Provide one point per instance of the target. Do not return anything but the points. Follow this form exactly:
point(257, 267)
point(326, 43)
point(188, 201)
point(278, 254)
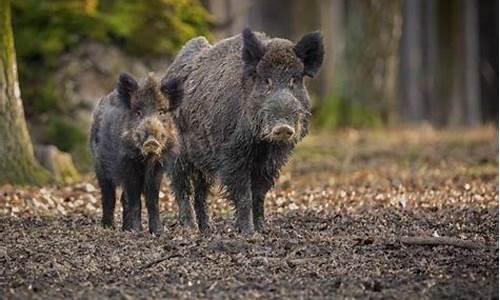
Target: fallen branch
point(418, 241)
point(440, 241)
point(159, 260)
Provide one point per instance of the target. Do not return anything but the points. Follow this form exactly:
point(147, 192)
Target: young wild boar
point(244, 109)
point(132, 139)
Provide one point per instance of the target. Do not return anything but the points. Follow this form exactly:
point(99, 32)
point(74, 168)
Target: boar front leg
point(260, 187)
point(241, 193)
point(108, 199)
point(152, 186)
point(132, 215)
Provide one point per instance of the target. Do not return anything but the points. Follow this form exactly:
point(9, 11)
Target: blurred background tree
point(388, 62)
point(18, 162)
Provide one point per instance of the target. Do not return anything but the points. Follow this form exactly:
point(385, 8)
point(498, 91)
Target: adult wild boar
point(244, 109)
point(132, 139)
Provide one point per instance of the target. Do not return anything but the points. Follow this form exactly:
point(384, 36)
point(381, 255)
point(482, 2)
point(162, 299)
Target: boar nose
point(283, 132)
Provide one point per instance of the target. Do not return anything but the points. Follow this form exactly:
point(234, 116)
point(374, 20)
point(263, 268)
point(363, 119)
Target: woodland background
point(388, 62)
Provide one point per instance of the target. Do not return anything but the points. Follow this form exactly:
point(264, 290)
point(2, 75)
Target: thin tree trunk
point(456, 113)
point(392, 63)
point(412, 61)
point(332, 23)
point(471, 72)
point(17, 162)
point(431, 62)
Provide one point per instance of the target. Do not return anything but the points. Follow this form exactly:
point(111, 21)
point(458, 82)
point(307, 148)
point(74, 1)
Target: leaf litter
point(405, 214)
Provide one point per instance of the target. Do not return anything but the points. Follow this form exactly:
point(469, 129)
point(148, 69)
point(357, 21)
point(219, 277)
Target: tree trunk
point(17, 162)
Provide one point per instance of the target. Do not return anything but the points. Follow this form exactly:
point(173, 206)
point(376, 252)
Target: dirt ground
point(345, 221)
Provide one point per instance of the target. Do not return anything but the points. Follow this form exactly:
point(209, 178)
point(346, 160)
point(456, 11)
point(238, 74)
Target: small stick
point(159, 260)
point(295, 261)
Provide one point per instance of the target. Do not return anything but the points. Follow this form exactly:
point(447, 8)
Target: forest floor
point(403, 214)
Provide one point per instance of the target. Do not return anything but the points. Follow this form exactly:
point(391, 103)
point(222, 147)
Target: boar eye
point(138, 113)
point(161, 112)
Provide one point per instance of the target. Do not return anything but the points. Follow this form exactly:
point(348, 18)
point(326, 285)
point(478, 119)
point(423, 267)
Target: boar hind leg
point(201, 188)
point(181, 187)
point(108, 199)
point(152, 189)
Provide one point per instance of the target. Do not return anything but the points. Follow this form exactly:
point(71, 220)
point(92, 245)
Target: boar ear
point(310, 50)
point(126, 86)
point(173, 90)
point(253, 51)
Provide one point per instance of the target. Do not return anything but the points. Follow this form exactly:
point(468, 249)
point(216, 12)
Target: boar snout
point(151, 146)
point(151, 136)
point(282, 133)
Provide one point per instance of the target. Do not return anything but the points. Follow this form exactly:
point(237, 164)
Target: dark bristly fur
point(245, 107)
point(125, 125)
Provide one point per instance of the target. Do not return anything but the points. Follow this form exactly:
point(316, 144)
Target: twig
point(295, 261)
point(159, 260)
point(305, 260)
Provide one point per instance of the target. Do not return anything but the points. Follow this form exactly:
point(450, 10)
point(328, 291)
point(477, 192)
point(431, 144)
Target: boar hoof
point(155, 227)
point(107, 224)
point(157, 231)
point(245, 229)
point(205, 228)
point(132, 227)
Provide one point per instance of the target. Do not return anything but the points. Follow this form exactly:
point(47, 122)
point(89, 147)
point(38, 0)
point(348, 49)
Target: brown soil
point(341, 222)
